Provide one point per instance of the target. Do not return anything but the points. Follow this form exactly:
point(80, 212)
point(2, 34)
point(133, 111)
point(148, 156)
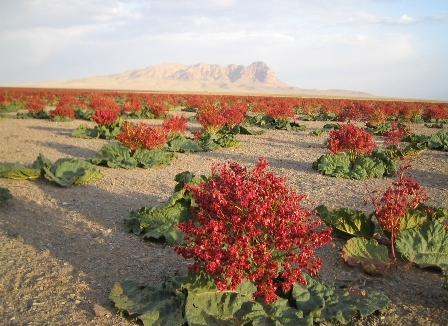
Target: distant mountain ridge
point(202, 77)
point(180, 77)
point(257, 72)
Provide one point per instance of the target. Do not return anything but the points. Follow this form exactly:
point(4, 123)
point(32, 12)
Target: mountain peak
point(202, 76)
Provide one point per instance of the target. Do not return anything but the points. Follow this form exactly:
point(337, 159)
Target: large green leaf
point(336, 165)
point(243, 130)
point(346, 222)
point(182, 144)
point(148, 158)
point(364, 167)
point(439, 141)
point(425, 246)
point(162, 305)
point(158, 222)
point(371, 256)
point(19, 171)
point(206, 305)
point(324, 303)
point(84, 131)
point(115, 155)
point(66, 172)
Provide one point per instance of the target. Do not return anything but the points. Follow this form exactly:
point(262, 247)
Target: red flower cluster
point(234, 114)
point(133, 104)
point(390, 209)
point(394, 136)
point(63, 110)
point(211, 118)
point(250, 225)
point(36, 104)
point(158, 109)
point(141, 135)
point(105, 117)
point(280, 110)
point(174, 125)
point(99, 102)
point(348, 138)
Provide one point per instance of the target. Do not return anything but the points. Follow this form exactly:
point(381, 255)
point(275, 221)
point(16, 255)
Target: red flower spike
point(352, 140)
point(391, 208)
point(249, 225)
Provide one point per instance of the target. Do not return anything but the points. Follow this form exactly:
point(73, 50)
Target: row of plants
point(253, 243)
point(82, 104)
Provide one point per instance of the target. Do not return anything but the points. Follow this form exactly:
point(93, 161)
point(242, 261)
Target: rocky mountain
point(256, 77)
point(202, 77)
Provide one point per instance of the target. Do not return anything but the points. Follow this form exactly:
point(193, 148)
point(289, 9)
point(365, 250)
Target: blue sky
point(383, 47)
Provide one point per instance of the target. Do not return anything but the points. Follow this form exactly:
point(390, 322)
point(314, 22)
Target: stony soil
point(62, 249)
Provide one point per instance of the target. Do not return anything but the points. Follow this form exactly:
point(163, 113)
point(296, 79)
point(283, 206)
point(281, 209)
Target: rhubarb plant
point(194, 299)
point(248, 224)
point(157, 222)
point(65, 171)
point(108, 126)
point(268, 122)
point(116, 155)
point(415, 230)
point(354, 155)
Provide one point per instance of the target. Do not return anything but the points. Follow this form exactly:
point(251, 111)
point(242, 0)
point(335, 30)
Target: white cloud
point(405, 19)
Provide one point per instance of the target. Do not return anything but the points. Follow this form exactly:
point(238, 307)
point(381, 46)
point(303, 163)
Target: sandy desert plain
point(62, 249)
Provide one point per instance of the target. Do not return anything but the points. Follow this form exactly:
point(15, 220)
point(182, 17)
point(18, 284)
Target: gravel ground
point(62, 249)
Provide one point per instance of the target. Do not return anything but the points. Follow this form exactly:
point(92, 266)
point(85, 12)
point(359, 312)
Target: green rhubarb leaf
point(371, 256)
point(241, 129)
point(66, 172)
point(159, 222)
point(162, 305)
point(115, 155)
point(19, 171)
point(439, 141)
point(433, 213)
point(335, 165)
point(323, 303)
point(413, 218)
point(365, 167)
point(148, 158)
point(426, 246)
point(346, 222)
point(206, 305)
point(84, 131)
point(182, 144)
point(4, 194)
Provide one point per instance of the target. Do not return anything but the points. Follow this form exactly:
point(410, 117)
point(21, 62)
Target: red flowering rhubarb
point(395, 135)
point(62, 110)
point(141, 135)
point(391, 208)
point(105, 117)
point(250, 225)
point(352, 140)
point(174, 125)
point(35, 104)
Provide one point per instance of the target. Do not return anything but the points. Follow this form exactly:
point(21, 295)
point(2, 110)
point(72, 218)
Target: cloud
point(321, 43)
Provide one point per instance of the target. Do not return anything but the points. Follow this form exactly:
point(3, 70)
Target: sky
point(382, 47)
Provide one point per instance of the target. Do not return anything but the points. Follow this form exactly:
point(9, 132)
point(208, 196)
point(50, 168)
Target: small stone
point(100, 311)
